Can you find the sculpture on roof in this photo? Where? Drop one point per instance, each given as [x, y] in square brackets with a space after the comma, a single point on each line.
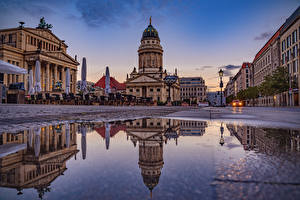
[43, 24]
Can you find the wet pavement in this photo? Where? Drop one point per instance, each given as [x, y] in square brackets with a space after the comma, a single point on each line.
[157, 158]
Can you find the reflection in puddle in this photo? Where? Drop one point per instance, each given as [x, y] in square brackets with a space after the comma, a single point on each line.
[34, 159]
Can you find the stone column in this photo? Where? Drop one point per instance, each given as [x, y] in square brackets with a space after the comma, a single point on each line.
[55, 73]
[10, 80]
[48, 77]
[63, 78]
[25, 76]
[74, 81]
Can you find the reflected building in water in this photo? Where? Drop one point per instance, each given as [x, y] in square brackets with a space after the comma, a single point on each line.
[150, 134]
[266, 140]
[43, 158]
[192, 128]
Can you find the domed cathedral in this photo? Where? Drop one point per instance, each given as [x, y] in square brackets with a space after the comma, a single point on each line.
[150, 136]
[148, 81]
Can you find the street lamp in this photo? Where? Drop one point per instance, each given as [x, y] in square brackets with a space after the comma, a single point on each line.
[170, 80]
[222, 141]
[221, 73]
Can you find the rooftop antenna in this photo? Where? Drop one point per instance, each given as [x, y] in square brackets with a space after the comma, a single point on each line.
[150, 19]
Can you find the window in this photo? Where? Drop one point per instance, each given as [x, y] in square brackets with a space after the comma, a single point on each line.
[137, 90]
[151, 89]
[130, 90]
[1, 78]
[158, 89]
[10, 38]
[34, 41]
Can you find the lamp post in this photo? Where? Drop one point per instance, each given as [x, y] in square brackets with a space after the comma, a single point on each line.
[222, 141]
[170, 80]
[221, 73]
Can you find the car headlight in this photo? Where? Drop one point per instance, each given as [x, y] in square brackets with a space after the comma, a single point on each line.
[234, 104]
[240, 103]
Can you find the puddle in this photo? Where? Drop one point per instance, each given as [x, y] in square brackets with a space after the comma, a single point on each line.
[159, 158]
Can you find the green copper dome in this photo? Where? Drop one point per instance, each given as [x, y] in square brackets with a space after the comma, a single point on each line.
[150, 32]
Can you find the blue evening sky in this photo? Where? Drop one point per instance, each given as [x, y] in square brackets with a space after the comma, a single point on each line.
[198, 37]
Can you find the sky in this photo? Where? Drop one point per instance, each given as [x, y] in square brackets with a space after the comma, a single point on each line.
[198, 37]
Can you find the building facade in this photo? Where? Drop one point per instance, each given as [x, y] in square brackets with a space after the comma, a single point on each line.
[148, 80]
[193, 89]
[241, 81]
[22, 46]
[41, 157]
[290, 56]
[267, 60]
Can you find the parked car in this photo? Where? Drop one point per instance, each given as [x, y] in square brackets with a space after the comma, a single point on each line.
[237, 103]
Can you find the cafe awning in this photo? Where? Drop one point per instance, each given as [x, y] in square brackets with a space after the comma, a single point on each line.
[8, 68]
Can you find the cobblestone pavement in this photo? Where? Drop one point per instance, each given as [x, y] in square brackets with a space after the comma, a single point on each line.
[256, 116]
[18, 117]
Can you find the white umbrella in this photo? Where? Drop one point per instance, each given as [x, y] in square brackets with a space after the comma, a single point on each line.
[67, 135]
[10, 68]
[37, 86]
[37, 141]
[30, 137]
[83, 76]
[107, 135]
[67, 81]
[83, 141]
[107, 81]
[30, 80]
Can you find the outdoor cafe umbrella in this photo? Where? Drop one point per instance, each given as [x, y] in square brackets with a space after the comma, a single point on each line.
[83, 76]
[67, 81]
[30, 80]
[8, 68]
[37, 141]
[30, 137]
[83, 141]
[37, 86]
[107, 135]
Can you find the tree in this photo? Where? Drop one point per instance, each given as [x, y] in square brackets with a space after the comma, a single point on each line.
[277, 83]
[252, 93]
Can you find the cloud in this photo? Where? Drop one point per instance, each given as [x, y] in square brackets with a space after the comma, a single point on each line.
[228, 69]
[203, 68]
[264, 36]
[122, 12]
[31, 8]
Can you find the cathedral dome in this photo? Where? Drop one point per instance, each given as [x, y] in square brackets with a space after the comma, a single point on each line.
[150, 32]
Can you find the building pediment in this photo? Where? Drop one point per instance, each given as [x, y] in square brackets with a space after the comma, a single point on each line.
[45, 34]
[143, 135]
[62, 56]
[143, 79]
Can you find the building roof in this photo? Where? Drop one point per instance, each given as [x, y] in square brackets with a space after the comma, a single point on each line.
[150, 32]
[114, 129]
[273, 38]
[246, 64]
[290, 21]
[114, 84]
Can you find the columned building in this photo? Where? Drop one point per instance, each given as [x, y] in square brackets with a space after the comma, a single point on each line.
[23, 46]
[41, 157]
[148, 80]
